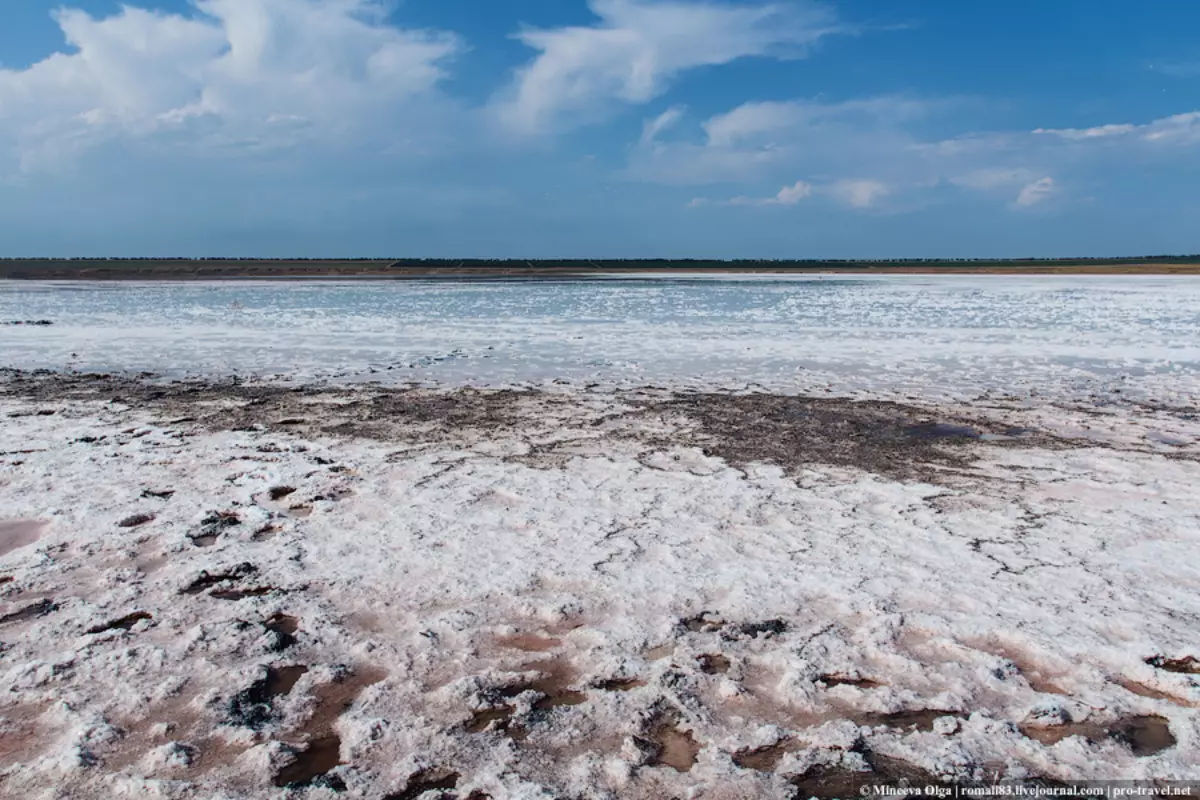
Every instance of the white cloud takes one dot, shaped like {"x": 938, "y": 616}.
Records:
{"x": 791, "y": 195}
{"x": 662, "y": 122}
{"x": 1036, "y": 192}
{"x": 638, "y": 47}
{"x": 993, "y": 178}
{"x": 1099, "y": 132}
{"x": 787, "y": 196}
{"x": 757, "y": 141}
{"x": 859, "y": 193}
{"x": 1180, "y": 129}
{"x": 258, "y": 71}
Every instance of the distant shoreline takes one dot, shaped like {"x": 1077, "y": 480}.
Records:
{"x": 185, "y": 270}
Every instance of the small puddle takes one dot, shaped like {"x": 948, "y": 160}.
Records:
{"x": 940, "y": 430}
{"x": 676, "y": 749}
{"x": 19, "y": 533}
{"x": 1144, "y": 735}
{"x": 281, "y": 680}
{"x": 315, "y": 760}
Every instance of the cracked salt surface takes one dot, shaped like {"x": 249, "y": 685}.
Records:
{"x": 255, "y": 590}
{"x": 532, "y": 594}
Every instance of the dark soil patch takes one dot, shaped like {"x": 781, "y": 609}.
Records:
{"x": 284, "y": 629}
{"x": 277, "y": 493}
{"x": 763, "y": 759}
{"x": 481, "y": 721}
{"x": 135, "y": 520}
{"x": 884, "y": 438}
{"x": 713, "y": 664}
{"x": 839, "y": 782}
{"x": 1187, "y": 665}
{"x": 620, "y": 684}
{"x": 312, "y": 764}
{"x": 831, "y": 681}
{"x": 207, "y": 580}
{"x": 33, "y": 611}
{"x": 124, "y": 623}
{"x": 166, "y": 494}
{"x": 242, "y": 594}
{"x": 252, "y": 707}
{"x": 427, "y": 780}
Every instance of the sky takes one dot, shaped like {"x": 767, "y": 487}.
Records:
{"x": 599, "y": 128}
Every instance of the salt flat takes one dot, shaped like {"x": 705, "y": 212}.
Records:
{"x": 265, "y": 588}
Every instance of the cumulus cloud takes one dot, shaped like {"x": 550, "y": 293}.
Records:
{"x": 834, "y": 144}
{"x": 787, "y": 196}
{"x": 1036, "y": 192}
{"x": 638, "y": 47}
{"x": 251, "y": 71}
{"x": 859, "y": 193}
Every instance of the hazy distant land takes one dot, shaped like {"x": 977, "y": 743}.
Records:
{"x": 175, "y": 269}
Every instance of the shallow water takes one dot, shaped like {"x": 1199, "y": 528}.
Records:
{"x": 919, "y": 334}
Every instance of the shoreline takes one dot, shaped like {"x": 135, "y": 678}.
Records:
{"x": 267, "y": 270}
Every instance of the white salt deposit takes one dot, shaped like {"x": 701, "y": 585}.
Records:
{"x": 551, "y": 613}
{"x": 584, "y": 604}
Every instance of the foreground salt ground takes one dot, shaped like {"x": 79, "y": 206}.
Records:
{"x": 233, "y": 592}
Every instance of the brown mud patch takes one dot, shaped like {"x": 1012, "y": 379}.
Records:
{"x": 32, "y": 611}
{"x": 1144, "y": 735}
{"x": 15, "y": 534}
{"x": 1187, "y": 665}
{"x": 885, "y": 438}
{"x": 427, "y": 780}
{"x": 673, "y": 747}
{"x": 840, "y": 782}
{"x": 320, "y": 751}
{"x": 124, "y": 623}
{"x": 890, "y": 439}
{"x": 764, "y": 759}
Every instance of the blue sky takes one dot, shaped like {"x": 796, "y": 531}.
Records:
{"x": 599, "y": 128}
